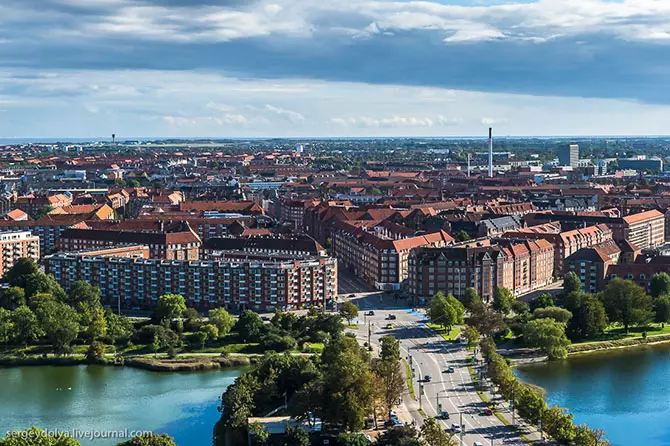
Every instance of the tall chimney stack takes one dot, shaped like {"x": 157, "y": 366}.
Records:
{"x": 490, "y": 152}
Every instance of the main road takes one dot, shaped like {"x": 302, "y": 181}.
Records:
{"x": 432, "y": 356}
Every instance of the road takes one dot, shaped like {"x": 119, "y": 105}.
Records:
{"x": 431, "y": 355}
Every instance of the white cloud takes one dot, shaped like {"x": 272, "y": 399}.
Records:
{"x": 493, "y": 121}
{"x": 292, "y": 116}
{"x": 395, "y": 122}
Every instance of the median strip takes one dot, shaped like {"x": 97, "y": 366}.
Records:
{"x": 408, "y": 373}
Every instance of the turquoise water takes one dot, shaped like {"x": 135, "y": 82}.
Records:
{"x": 625, "y": 392}
{"x": 103, "y": 399}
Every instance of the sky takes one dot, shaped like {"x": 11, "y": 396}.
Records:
{"x": 310, "y": 68}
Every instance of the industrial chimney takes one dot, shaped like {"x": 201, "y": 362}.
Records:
{"x": 490, "y": 152}
{"x": 113, "y": 138}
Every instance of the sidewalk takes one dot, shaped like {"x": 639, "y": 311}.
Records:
{"x": 502, "y": 407}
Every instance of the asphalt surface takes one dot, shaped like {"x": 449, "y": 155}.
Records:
{"x": 431, "y": 355}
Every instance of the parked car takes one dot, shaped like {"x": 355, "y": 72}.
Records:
{"x": 352, "y": 295}
{"x": 392, "y": 423}
{"x": 371, "y": 313}
{"x": 477, "y": 443}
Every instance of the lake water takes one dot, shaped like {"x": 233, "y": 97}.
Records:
{"x": 625, "y": 392}
{"x": 99, "y": 398}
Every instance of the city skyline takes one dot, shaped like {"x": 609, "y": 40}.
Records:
{"x": 228, "y": 68}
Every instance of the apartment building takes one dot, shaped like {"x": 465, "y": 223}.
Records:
{"x": 520, "y": 266}
{"x": 217, "y": 248}
{"x": 591, "y": 264}
{"x": 378, "y": 252}
{"x": 645, "y": 229}
{"x": 565, "y": 243}
{"x": 14, "y": 245}
{"x": 48, "y": 229}
{"x": 178, "y": 245}
{"x": 32, "y": 205}
{"x": 257, "y": 282}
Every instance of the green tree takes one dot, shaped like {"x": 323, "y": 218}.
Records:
{"x": 471, "y": 299}
{"x": 150, "y": 440}
{"x": 348, "y": 391}
{"x": 119, "y": 328}
{"x": 471, "y": 335}
{"x": 41, "y": 212}
{"x": 60, "y": 323}
{"x": 249, "y": 326}
{"x": 37, "y": 437}
{"x": 627, "y": 303}
{"x": 548, "y": 335}
{"x": 133, "y": 183}
{"x": 83, "y": 292}
{"x": 441, "y": 312}
{"x": 462, "y": 236}
{"x": 22, "y": 269}
{"x": 558, "y": 423}
{"x": 94, "y": 322}
{"x": 349, "y": 311}
{"x": 572, "y": 284}
{"x": 432, "y": 434}
{"x": 502, "y": 300}
{"x": 662, "y": 309}
{"x": 487, "y": 321}
{"x": 520, "y": 307}
{"x": 458, "y": 307}
{"x": 660, "y": 285}
{"x": 192, "y": 319}
{"x": 544, "y": 300}
{"x": 296, "y": 436}
{"x": 390, "y": 349}
{"x": 223, "y": 320}
{"x": 40, "y": 283}
{"x": 345, "y": 439}
{"x": 12, "y": 297}
{"x": 170, "y": 307}
{"x": 399, "y": 436}
{"x": 202, "y": 337}
{"x": 585, "y": 436}
{"x": 389, "y": 383}
{"x": 259, "y": 436}
{"x": 28, "y": 329}
{"x": 529, "y": 404}
{"x": 237, "y": 402}
{"x": 556, "y": 313}
{"x": 96, "y": 351}
{"x": 7, "y": 328}
{"x": 211, "y": 330}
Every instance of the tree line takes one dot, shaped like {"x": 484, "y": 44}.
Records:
{"x": 530, "y": 403}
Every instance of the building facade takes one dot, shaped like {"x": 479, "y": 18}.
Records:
{"x": 645, "y": 229}
{"x": 15, "y": 245}
{"x": 261, "y": 283}
{"x": 379, "y": 254}
{"x": 569, "y": 156}
{"x": 520, "y": 266}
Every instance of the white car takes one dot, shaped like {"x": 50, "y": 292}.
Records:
{"x": 477, "y": 443}
{"x": 456, "y": 428}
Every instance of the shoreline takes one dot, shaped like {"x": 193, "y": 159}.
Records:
{"x": 596, "y": 347}
{"x": 163, "y": 365}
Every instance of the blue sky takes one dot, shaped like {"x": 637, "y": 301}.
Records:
{"x": 235, "y": 68}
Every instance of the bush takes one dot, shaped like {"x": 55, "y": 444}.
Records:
{"x": 278, "y": 343}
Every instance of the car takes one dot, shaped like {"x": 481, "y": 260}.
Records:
{"x": 393, "y": 416}
{"x": 450, "y": 370}
{"x": 486, "y": 411}
{"x": 371, "y": 313}
{"x": 456, "y": 428}
{"x": 427, "y": 378}
{"x": 444, "y": 415}
{"x": 391, "y": 317}
{"x": 392, "y": 423}
{"x": 477, "y": 443}
{"x": 352, "y": 295}
{"x": 388, "y": 326}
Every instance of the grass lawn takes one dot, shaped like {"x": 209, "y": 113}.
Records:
{"x": 616, "y": 332}
{"x": 352, "y": 326}
{"x": 410, "y": 387}
{"x": 447, "y": 336}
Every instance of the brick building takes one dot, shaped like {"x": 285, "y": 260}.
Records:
{"x": 520, "y": 266}
{"x": 257, "y": 282}
{"x": 177, "y": 245}
{"x": 378, "y": 252}
{"x": 15, "y": 245}
{"x": 565, "y": 243}
{"x": 591, "y": 264}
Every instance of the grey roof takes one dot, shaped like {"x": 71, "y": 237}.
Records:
{"x": 503, "y": 223}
